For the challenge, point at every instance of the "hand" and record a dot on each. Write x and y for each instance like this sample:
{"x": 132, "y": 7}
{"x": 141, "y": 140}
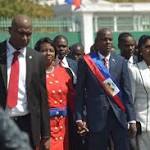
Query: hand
{"x": 132, "y": 130}
{"x": 45, "y": 143}
{"x": 82, "y": 127}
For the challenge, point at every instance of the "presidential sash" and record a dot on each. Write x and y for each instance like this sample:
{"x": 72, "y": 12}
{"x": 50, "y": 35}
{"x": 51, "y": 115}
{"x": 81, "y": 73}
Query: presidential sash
{"x": 102, "y": 74}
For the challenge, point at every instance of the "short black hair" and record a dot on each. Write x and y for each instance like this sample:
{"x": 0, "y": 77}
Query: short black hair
{"x": 58, "y": 37}
{"x": 41, "y": 41}
{"x": 123, "y": 36}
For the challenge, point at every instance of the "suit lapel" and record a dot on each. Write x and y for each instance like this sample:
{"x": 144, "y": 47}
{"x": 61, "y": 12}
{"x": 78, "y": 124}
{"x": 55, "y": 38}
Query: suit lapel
{"x": 112, "y": 63}
{"x": 29, "y": 57}
{"x": 3, "y": 62}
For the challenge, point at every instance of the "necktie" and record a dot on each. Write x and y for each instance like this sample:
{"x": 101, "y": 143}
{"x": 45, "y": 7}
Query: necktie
{"x": 12, "y": 93}
{"x": 106, "y": 62}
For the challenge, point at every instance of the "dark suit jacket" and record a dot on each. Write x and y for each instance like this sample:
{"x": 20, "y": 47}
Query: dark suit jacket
{"x": 72, "y": 64}
{"x": 97, "y": 102}
{"x": 35, "y": 88}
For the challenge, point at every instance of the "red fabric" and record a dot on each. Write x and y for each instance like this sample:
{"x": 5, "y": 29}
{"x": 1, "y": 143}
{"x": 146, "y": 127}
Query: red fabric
{"x": 101, "y": 78}
{"x": 12, "y": 93}
{"x": 60, "y": 95}
{"x": 77, "y": 3}
{"x": 106, "y": 63}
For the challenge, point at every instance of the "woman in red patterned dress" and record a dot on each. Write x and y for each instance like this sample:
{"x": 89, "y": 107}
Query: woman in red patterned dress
{"x": 60, "y": 96}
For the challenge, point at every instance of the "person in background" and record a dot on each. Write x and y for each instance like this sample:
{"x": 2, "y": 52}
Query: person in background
{"x": 76, "y": 51}
{"x": 106, "y": 116}
{"x": 127, "y": 44}
{"x": 60, "y": 95}
{"x": 140, "y": 83}
{"x": 62, "y": 49}
{"x": 22, "y": 82}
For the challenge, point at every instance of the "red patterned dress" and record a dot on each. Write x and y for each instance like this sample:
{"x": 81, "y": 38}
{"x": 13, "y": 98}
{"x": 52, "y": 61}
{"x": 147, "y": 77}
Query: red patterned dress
{"x": 60, "y": 97}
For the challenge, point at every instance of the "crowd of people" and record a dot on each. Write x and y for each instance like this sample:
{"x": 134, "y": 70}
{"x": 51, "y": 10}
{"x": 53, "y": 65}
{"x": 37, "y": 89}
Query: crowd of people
{"x": 56, "y": 97}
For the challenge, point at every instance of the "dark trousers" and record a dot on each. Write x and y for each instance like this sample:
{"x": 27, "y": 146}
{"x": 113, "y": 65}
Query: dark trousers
{"x": 99, "y": 140}
{"x": 23, "y": 122}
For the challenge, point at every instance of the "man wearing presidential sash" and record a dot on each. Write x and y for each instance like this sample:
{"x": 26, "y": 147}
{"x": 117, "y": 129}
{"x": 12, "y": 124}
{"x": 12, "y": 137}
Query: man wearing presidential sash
{"x": 110, "y": 113}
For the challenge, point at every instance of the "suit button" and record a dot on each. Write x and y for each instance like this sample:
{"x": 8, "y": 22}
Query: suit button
{"x": 55, "y": 102}
{"x": 59, "y": 90}
{"x": 56, "y": 138}
{"x": 50, "y": 82}
{"x": 56, "y": 81}
{"x": 53, "y": 91}
{"x": 60, "y": 100}
{"x": 56, "y": 128}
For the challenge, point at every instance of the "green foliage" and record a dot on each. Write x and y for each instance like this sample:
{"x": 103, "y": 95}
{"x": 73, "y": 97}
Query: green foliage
{"x": 9, "y": 8}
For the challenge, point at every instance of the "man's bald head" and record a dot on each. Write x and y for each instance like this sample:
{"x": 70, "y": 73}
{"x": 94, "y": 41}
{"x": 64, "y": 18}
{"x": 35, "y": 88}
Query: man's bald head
{"x": 21, "y": 20}
{"x": 102, "y": 31}
{"x": 20, "y": 31}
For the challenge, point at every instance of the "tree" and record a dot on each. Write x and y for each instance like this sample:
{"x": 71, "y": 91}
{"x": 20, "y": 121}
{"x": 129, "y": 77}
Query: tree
{"x": 9, "y": 8}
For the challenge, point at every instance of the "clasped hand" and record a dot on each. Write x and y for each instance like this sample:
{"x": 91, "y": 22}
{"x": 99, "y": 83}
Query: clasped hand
{"x": 82, "y": 128}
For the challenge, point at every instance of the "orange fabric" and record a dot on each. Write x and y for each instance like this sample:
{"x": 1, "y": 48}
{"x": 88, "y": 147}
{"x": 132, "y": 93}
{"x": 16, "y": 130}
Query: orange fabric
{"x": 60, "y": 95}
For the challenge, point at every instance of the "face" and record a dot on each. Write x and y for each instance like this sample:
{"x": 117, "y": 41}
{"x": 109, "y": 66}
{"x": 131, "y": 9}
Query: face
{"x": 78, "y": 53}
{"x": 104, "y": 42}
{"x": 145, "y": 50}
{"x": 127, "y": 47}
{"x": 20, "y": 36}
{"x": 48, "y": 51}
{"x": 62, "y": 48}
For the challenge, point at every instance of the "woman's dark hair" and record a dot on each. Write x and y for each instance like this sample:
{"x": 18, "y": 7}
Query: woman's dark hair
{"x": 142, "y": 40}
{"x": 41, "y": 41}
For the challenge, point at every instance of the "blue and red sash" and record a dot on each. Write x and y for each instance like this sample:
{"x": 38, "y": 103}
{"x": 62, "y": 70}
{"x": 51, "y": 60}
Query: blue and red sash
{"x": 101, "y": 72}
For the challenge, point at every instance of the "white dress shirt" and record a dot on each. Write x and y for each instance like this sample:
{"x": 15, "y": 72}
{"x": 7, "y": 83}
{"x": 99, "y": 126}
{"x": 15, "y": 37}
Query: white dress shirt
{"x": 104, "y": 57}
{"x": 21, "y": 108}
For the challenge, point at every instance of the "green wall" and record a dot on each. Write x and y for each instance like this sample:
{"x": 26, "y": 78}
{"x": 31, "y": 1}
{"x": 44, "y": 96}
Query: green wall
{"x": 73, "y": 37}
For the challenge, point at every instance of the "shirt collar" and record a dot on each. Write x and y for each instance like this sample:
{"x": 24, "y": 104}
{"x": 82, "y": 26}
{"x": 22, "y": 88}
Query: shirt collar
{"x": 102, "y": 57}
{"x": 11, "y": 49}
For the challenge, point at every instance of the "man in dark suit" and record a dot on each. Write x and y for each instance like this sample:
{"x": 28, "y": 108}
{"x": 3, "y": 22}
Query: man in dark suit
{"x": 61, "y": 45}
{"x": 105, "y": 115}
{"x": 22, "y": 82}
{"x": 127, "y": 46}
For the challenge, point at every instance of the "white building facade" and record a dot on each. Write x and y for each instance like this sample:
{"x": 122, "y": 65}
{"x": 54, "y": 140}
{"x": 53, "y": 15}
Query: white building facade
{"x": 96, "y": 14}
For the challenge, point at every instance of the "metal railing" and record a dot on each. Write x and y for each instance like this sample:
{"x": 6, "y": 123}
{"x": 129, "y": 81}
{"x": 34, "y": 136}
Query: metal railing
{"x": 55, "y": 24}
